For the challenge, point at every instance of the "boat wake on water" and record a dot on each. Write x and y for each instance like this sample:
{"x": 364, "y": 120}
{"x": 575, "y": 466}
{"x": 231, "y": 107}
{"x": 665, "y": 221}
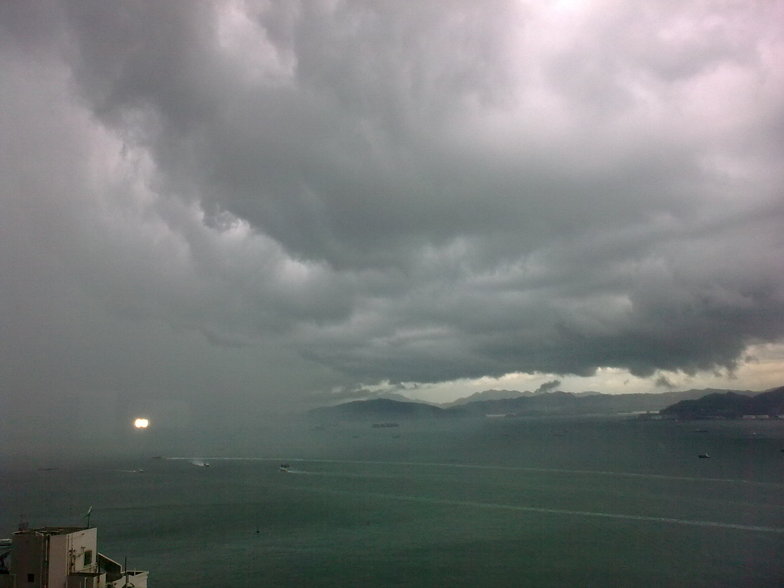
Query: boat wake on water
{"x": 491, "y": 467}
{"x": 545, "y": 510}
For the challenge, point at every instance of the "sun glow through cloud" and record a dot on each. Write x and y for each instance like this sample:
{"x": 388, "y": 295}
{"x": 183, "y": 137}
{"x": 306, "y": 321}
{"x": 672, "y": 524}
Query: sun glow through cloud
{"x": 141, "y": 423}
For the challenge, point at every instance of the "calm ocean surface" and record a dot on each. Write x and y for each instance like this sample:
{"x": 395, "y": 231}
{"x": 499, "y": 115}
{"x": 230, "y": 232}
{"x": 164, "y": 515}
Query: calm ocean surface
{"x": 494, "y": 503}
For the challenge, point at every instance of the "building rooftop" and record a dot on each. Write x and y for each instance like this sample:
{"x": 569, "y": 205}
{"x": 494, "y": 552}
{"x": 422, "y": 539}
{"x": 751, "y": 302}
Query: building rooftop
{"x": 52, "y": 530}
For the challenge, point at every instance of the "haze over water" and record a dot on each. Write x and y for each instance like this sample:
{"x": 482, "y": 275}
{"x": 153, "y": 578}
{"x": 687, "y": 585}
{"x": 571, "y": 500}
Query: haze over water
{"x": 548, "y": 502}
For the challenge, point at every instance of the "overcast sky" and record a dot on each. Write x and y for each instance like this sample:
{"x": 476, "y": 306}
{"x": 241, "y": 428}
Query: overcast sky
{"x": 231, "y": 207}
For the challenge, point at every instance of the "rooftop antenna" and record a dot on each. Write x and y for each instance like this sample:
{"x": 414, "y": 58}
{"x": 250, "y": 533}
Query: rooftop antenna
{"x": 87, "y": 516}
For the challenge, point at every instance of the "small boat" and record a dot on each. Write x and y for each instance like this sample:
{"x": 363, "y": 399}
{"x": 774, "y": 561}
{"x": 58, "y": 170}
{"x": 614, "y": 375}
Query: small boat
{"x": 284, "y": 467}
{"x": 705, "y": 455}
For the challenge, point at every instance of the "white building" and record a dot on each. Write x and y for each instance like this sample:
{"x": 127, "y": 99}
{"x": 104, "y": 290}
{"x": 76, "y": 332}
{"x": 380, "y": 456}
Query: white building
{"x": 64, "y": 557}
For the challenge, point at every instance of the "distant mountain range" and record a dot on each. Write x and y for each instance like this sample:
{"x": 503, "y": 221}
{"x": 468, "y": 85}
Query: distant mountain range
{"x": 729, "y": 405}
{"x": 502, "y": 395}
{"x": 488, "y": 395}
{"x": 728, "y": 402}
{"x": 382, "y": 409}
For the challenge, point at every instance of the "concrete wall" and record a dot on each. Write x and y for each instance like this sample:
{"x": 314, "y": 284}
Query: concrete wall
{"x": 28, "y": 558}
{"x": 66, "y": 554}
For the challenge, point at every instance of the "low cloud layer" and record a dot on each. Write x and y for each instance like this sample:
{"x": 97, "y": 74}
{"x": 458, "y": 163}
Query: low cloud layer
{"x": 298, "y": 195}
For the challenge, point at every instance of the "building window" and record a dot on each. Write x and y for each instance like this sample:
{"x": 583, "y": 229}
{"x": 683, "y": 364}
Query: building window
{"x": 31, "y": 578}
{"x": 88, "y": 558}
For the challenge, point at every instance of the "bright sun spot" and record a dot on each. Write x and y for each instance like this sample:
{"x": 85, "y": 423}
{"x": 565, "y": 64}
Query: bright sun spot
{"x": 141, "y": 423}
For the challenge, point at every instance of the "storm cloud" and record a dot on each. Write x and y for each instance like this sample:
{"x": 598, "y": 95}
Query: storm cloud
{"x": 299, "y": 195}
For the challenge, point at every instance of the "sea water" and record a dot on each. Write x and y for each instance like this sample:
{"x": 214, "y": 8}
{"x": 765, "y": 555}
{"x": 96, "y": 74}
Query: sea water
{"x": 497, "y": 502}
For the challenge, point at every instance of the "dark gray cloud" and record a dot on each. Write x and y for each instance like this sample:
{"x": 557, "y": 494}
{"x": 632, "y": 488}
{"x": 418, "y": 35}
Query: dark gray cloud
{"x": 359, "y": 193}
{"x": 548, "y": 386}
